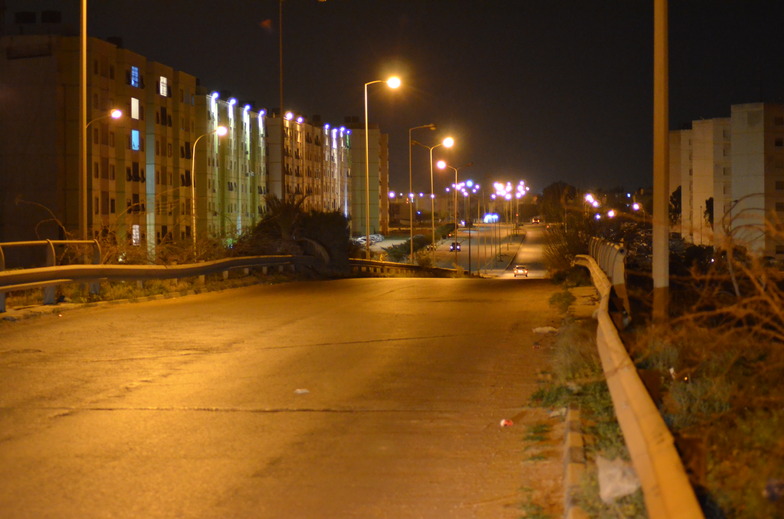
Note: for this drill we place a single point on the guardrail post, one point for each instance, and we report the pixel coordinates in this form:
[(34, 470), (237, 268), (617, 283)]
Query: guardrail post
[(2, 267), (50, 292), (95, 286)]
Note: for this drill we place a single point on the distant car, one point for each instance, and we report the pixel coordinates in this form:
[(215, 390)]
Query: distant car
[(520, 270), (455, 246), (536, 220)]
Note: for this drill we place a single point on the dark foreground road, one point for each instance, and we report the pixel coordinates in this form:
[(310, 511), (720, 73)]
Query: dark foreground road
[(357, 398)]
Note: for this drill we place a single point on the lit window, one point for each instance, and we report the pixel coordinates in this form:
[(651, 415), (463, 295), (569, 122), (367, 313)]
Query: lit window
[(136, 237), (134, 108), (163, 87), (135, 79), (135, 140)]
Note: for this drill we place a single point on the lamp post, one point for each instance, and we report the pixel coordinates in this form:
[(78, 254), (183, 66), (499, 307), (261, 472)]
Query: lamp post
[(411, 185), (443, 165), (114, 114), (220, 131), (392, 82), (446, 143)]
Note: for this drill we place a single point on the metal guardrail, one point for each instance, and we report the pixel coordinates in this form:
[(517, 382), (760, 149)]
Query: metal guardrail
[(611, 259), (666, 487), (50, 277), (363, 267)]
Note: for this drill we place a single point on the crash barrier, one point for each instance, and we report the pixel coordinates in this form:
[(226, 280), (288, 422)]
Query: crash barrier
[(611, 259), (666, 488), (50, 277), (49, 246), (373, 268)]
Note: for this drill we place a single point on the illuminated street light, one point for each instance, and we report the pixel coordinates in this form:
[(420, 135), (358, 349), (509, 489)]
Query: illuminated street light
[(411, 184), (448, 142), (115, 114), (392, 82), (443, 165), (220, 131)]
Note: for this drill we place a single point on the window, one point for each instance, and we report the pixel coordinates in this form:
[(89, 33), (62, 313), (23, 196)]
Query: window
[(112, 206), (780, 207), (51, 17), (136, 236), (780, 185), (112, 172), (134, 108), (163, 87), (24, 17), (135, 140), (135, 79), (779, 142), (779, 249)]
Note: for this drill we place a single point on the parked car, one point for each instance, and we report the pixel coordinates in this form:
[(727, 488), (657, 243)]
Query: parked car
[(455, 246), (520, 270)]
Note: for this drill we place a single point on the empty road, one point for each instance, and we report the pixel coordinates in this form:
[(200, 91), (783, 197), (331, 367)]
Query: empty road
[(330, 399)]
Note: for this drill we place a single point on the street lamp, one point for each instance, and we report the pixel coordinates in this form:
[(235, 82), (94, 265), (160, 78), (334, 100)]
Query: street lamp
[(411, 184), (114, 113), (392, 82), (220, 131), (446, 143), (443, 165)]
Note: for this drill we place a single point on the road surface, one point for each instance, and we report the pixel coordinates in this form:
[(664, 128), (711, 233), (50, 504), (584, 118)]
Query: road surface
[(335, 399)]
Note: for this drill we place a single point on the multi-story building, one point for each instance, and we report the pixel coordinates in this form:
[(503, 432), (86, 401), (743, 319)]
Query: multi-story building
[(757, 200), (734, 168), (711, 177), (316, 162), (161, 172), (369, 177), (681, 176)]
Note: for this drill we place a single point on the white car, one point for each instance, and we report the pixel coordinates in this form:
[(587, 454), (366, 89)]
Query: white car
[(520, 270)]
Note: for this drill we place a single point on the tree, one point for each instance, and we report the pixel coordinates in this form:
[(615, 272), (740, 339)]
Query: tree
[(709, 211), (676, 207), (555, 199)]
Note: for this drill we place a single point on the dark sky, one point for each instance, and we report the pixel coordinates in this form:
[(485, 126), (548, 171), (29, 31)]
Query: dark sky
[(543, 90)]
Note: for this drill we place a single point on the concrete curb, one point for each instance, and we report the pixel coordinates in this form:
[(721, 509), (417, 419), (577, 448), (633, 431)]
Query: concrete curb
[(574, 464)]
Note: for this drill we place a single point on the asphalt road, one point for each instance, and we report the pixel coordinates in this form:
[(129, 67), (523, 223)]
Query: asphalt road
[(354, 398)]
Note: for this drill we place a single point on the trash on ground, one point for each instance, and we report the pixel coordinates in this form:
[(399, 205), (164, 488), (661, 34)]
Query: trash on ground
[(545, 329), (616, 479), (301, 391), (506, 423)]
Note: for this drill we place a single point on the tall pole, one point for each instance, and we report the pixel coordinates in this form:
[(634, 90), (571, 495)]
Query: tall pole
[(411, 184), (661, 268), (432, 211), (83, 124), (281, 111), (454, 189), (193, 190), (367, 177)]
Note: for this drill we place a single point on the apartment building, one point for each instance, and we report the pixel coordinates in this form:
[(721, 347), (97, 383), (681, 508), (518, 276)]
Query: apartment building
[(681, 176), (376, 169), (316, 162), (757, 209), (733, 168)]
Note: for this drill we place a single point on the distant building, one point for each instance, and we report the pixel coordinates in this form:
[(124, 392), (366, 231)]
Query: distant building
[(143, 169), (757, 208), (378, 175), (733, 168)]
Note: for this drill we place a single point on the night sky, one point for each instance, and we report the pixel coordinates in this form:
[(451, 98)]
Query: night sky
[(545, 91)]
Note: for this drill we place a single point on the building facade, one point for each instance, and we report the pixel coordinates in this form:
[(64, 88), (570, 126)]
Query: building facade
[(161, 172), (732, 169)]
